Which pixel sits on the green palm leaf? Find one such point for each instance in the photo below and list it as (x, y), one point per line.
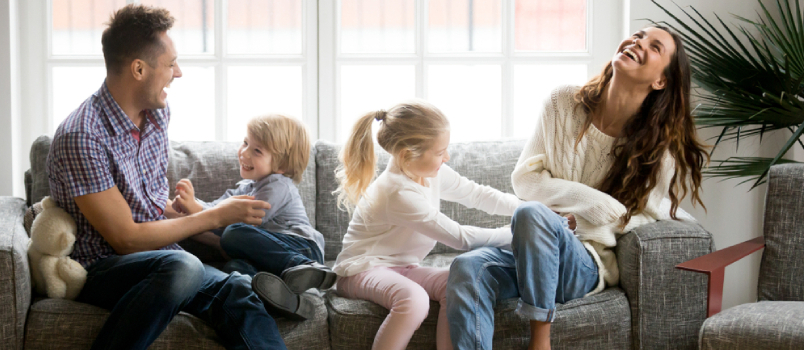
(749, 82)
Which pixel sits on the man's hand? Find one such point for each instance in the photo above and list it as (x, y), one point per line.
(241, 209)
(185, 198)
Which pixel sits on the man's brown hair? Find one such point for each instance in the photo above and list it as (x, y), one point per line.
(133, 33)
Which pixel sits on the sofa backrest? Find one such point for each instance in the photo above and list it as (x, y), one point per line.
(781, 272)
(487, 163)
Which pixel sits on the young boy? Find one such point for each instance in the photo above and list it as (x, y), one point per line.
(273, 157)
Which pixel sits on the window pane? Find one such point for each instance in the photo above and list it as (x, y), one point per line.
(470, 97)
(550, 25)
(193, 31)
(377, 26)
(192, 105)
(369, 88)
(465, 25)
(264, 27)
(255, 91)
(78, 25)
(71, 87)
(532, 86)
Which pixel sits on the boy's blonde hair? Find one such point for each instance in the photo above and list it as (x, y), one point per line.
(412, 126)
(287, 140)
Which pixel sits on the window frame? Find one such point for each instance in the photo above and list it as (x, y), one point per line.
(599, 45)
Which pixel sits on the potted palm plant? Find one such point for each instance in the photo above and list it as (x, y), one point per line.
(748, 82)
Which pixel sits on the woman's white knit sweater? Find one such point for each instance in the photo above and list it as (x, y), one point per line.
(553, 171)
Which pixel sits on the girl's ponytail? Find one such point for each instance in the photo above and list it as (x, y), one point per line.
(358, 161)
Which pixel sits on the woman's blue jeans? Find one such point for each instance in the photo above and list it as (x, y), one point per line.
(253, 249)
(145, 290)
(548, 265)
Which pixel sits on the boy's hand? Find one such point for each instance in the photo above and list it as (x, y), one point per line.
(185, 198)
(170, 210)
(241, 209)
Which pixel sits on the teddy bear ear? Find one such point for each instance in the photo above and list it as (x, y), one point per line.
(48, 203)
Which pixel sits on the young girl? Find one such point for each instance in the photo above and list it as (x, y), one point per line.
(606, 156)
(397, 219)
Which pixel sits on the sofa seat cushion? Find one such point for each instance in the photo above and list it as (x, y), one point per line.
(763, 325)
(66, 324)
(601, 321)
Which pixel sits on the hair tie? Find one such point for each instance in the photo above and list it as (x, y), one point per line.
(380, 115)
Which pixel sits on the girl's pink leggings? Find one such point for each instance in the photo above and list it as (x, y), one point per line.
(407, 292)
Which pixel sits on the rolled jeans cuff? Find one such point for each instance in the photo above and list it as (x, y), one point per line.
(535, 313)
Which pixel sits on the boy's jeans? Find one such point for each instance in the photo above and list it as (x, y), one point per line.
(254, 249)
(145, 290)
(548, 265)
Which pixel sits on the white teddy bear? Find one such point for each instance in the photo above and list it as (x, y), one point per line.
(52, 238)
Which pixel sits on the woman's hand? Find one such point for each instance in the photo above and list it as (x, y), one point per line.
(571, 221)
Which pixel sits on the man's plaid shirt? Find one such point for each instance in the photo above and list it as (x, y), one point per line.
(96, 148)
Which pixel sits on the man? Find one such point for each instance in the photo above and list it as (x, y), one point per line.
(107, 167)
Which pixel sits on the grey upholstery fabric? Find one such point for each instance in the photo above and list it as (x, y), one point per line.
(601, 321)
(487, 163)
(15, 281)
(781, 274)
(765, 325)
(64, 324)
(39, 185)
(667, 305)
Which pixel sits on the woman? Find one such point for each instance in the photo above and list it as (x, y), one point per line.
(605, 156)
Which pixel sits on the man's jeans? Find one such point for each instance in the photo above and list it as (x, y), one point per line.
(253, 249)
(145, 290)
(548, 265)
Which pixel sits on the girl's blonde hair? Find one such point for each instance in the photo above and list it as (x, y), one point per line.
(287, 140)
(410, 126)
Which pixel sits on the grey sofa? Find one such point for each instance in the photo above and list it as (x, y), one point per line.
(655, 307)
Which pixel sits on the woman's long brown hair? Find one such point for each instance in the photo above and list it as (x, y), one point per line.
(663, 124)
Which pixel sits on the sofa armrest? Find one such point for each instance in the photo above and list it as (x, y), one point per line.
(714, 266)
(15, 275)
(668, 306)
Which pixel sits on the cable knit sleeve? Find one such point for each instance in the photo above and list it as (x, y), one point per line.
(533, 180)
(459, 189)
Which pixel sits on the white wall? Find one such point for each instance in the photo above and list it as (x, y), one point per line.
(9, 130)
(734, 215)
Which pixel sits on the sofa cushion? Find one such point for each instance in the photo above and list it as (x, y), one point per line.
(600, 321)
(488, 163)
(64, 324)
(763, 325)
(37, 185)
(781, 273)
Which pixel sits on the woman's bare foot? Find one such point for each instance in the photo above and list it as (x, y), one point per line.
(539, 335)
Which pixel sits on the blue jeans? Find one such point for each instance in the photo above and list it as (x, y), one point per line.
(145, 290)
(254, 249)
(548, 265)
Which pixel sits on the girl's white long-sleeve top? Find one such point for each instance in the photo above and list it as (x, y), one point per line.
(565, 178)
(397, 222)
